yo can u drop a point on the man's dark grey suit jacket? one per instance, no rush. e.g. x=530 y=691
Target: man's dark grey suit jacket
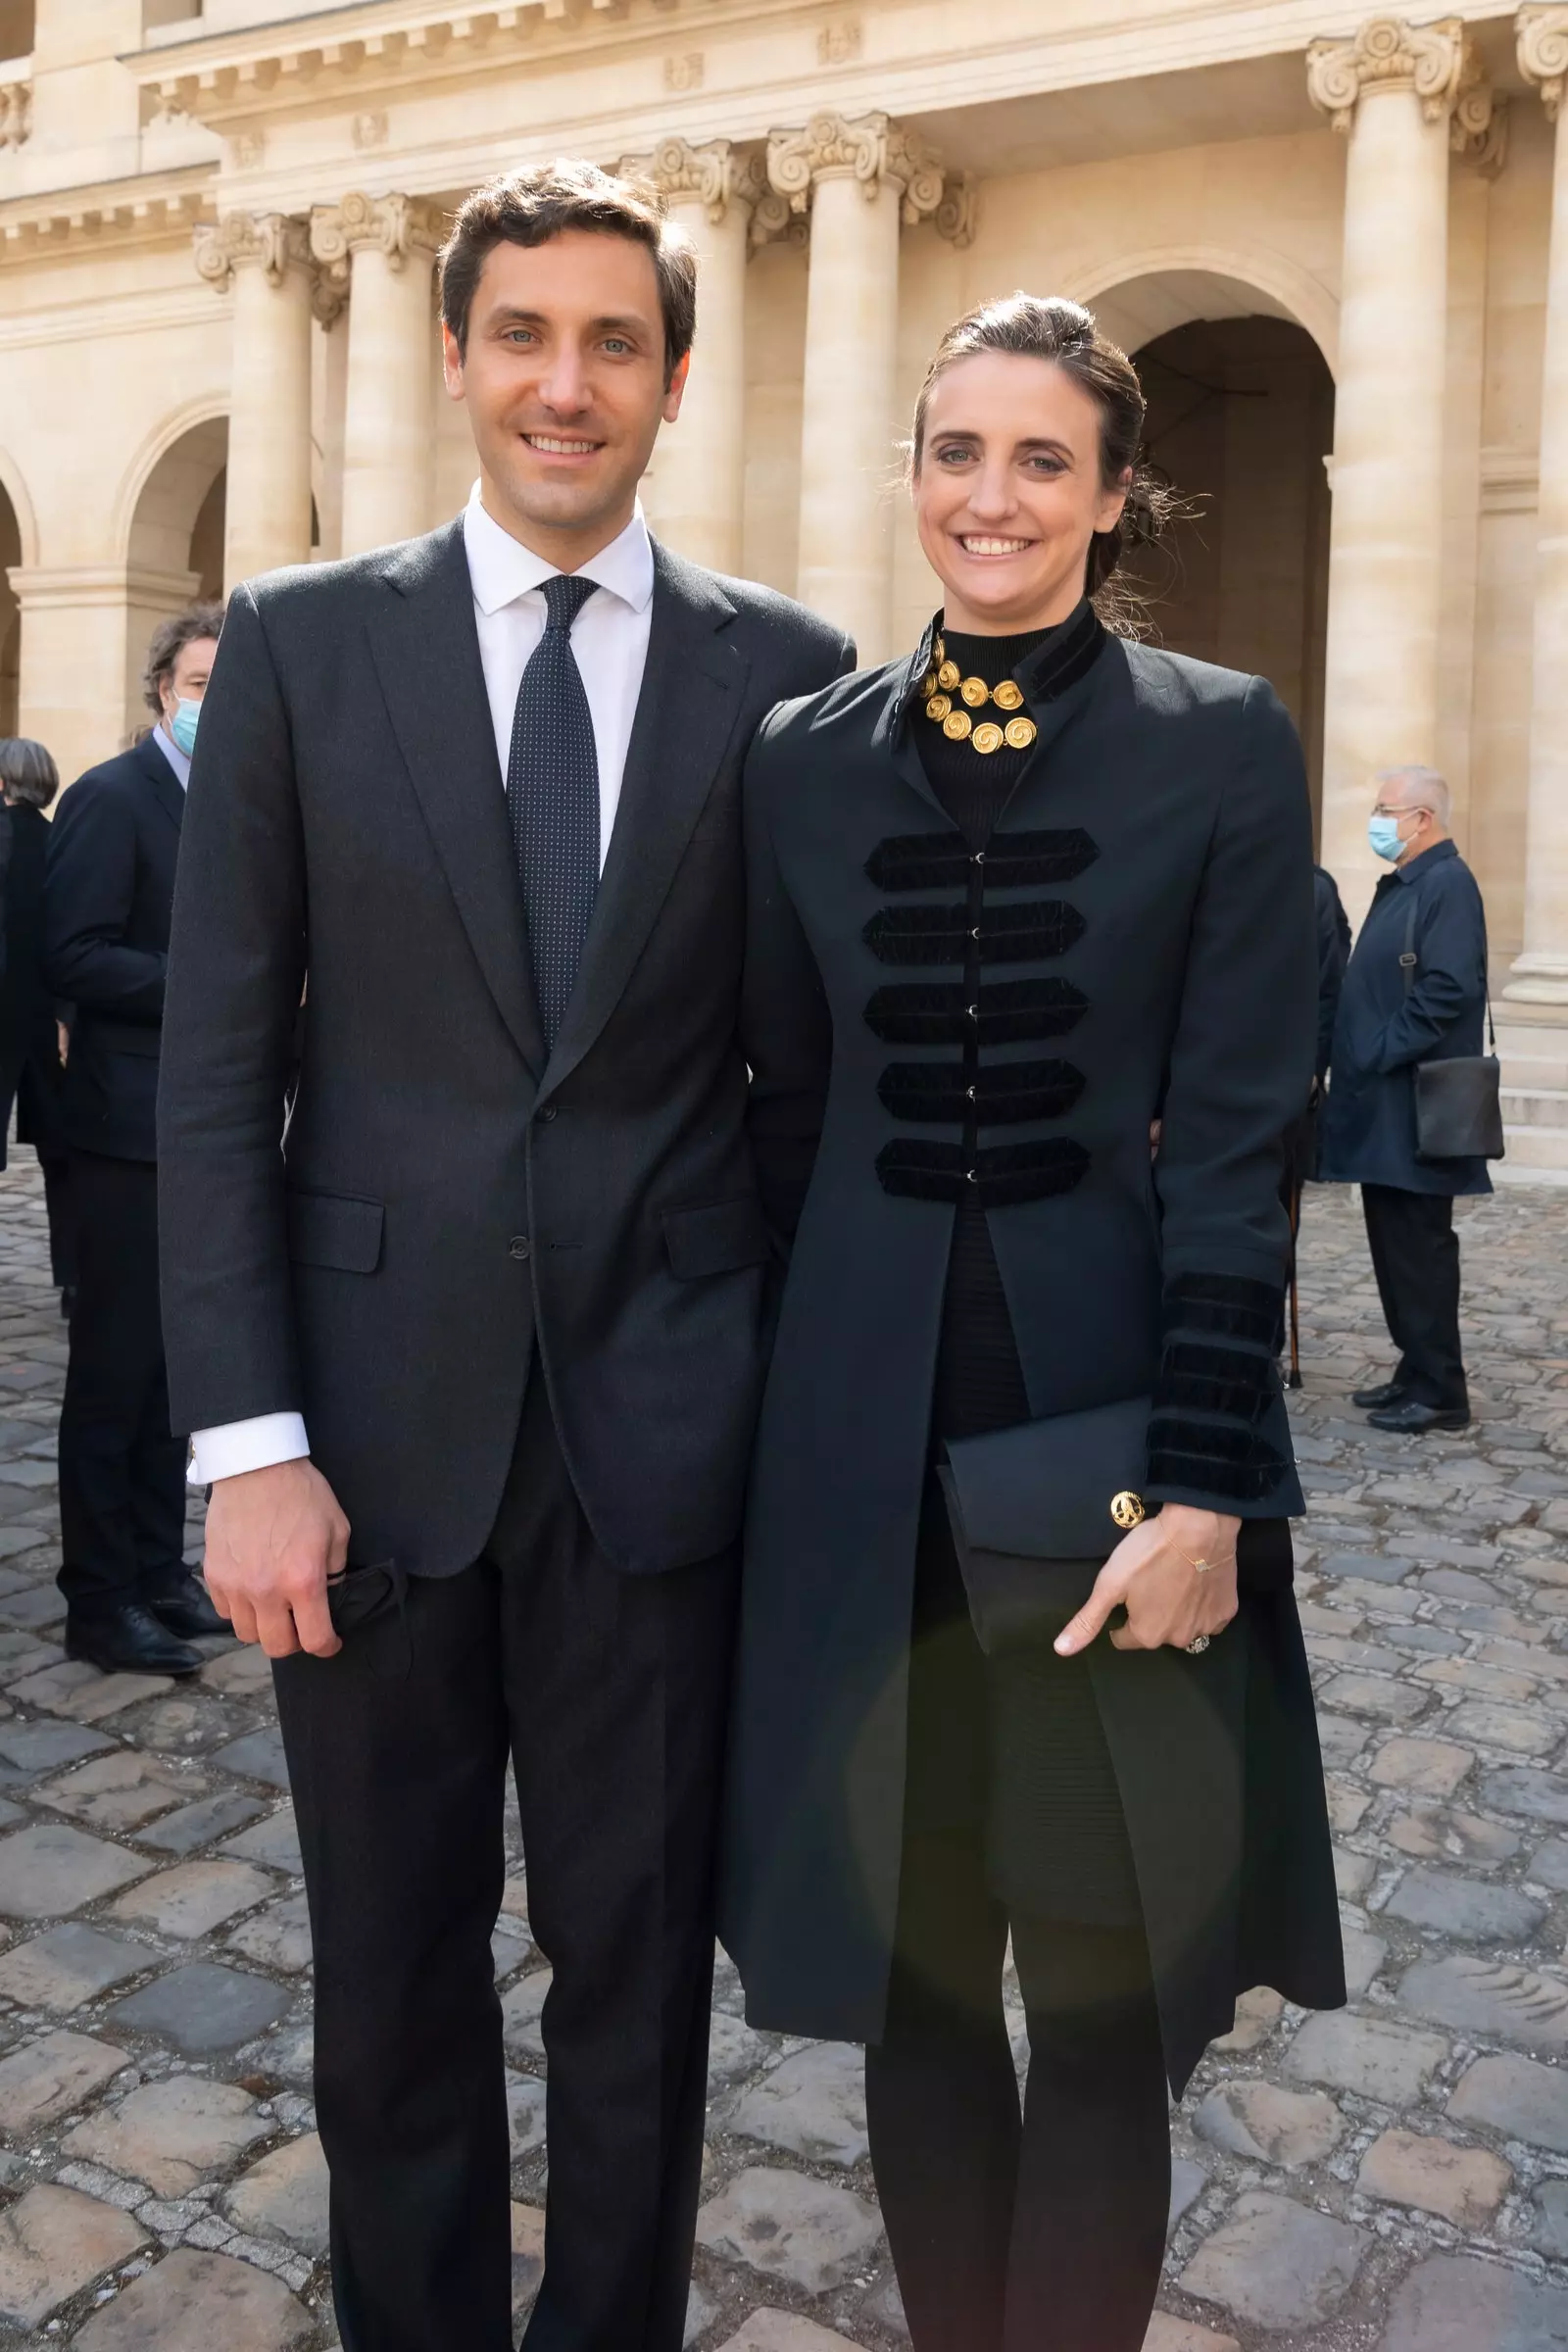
x=447 y=1205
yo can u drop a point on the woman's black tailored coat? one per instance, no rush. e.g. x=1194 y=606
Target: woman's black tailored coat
x=926 y=1024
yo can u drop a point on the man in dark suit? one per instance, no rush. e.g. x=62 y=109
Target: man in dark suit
x=131 y=1602
x=474 y=1359
x=1415 y=990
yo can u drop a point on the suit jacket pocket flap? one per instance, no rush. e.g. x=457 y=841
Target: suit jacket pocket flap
x=329 y=1229
x=719 y=1239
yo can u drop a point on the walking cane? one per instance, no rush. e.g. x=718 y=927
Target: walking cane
x=1293 y=1377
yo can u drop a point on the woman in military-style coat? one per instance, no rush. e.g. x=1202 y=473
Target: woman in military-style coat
x=1015 y=899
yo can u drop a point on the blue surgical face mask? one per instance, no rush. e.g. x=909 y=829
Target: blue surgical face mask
x=1383 y=832
x=183 y=726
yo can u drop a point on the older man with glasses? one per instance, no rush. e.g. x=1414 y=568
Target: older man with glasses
x=1415 y=991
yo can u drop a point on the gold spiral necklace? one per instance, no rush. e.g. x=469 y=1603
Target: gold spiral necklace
x=937 y=688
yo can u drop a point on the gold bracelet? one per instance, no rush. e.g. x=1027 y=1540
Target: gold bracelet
x=1200 y=1567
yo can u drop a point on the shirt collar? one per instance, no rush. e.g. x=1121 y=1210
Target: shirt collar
x=1439 y=850
x=501 y=569
x=172 y=753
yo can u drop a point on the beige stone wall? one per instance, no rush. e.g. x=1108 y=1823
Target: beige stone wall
x=1106 y=165
x=1518 y=207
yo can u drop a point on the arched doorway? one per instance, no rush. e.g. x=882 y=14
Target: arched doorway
x=10 y=617
x=174 y=549
x=1237 y=372
x=1241 y=418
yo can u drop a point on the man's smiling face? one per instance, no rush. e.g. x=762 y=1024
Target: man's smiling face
x=564 y=376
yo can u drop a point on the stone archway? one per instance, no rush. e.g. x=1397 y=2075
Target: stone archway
x=1237 y=372
x=174 y=538
x=1240 y=419
x=9 y=615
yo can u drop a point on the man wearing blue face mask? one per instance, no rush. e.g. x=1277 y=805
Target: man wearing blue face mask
x=1414 y=991
x=131 y=1603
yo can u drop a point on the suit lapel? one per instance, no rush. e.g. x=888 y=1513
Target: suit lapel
x=427 y=654
x=693 y=685
x=167 y=789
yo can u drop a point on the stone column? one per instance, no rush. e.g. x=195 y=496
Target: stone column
x=382 y=248
x=1540 y=975
x=859 y=179
x=265 y=257
x=699 y=470
x=84 y=631
x=1402 y=93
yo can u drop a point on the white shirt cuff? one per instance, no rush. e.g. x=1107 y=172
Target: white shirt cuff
x=239 y=1446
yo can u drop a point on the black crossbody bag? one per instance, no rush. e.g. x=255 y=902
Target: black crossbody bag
x=1458 y=1103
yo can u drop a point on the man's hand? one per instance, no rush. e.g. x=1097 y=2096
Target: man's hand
x=1168 y=1602
x=273 y=1537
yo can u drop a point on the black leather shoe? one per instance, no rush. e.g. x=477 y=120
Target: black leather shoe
x=184 y=1609
x=129 y=1640
x=1411 y=1418
x=1372 y=1400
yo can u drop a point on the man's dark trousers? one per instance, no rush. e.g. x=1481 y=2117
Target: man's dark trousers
x=607 y=1692
x=107 y=893
x=1415 y=1257
x=121 y=1473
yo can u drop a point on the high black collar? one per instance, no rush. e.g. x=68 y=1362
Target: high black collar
x=1063 y=657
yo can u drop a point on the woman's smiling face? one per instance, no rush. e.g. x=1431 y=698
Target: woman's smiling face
x=1007 y=491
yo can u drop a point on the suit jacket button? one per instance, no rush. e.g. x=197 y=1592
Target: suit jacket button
x=518 y=1246
x=547 y=1113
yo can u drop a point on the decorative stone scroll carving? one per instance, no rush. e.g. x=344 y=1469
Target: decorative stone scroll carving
x=1542 y=34
x=274 y=241
x=396 y=225
x=872 y=149
x=958 y=215
x=715 y=174
x=1487 y=149
x=1438 y=62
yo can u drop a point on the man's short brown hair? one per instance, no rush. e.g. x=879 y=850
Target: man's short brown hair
x=530 y=208
x=169 y=640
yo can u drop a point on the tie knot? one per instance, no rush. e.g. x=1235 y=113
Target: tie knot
x=565 y=594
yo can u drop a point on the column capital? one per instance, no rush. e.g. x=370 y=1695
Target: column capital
x=715 y=174
x=873 y=149
x=395 y=225
x=1438 y=62
x=274 y=242
x=1542 y=37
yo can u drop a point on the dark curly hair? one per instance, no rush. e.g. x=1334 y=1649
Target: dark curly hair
x=1049 y=326
x=169 y=641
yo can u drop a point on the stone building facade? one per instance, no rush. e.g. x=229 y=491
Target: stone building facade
x=1337 y=242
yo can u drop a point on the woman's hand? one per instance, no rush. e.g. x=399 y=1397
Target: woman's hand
x=1168 y=1602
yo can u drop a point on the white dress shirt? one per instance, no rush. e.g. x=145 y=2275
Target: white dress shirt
x=610 y=638
x=172 y=753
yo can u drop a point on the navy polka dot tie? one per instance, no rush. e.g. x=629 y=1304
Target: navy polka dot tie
x=552 y=793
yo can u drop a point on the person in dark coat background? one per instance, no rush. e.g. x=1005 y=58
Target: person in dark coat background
x=30 y=1069
x=1386 y=1025
x=985 y=953
x=131 y=1603
x=1333 y=954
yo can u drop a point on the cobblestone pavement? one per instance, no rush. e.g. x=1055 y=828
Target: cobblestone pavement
x=1393 y=2176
